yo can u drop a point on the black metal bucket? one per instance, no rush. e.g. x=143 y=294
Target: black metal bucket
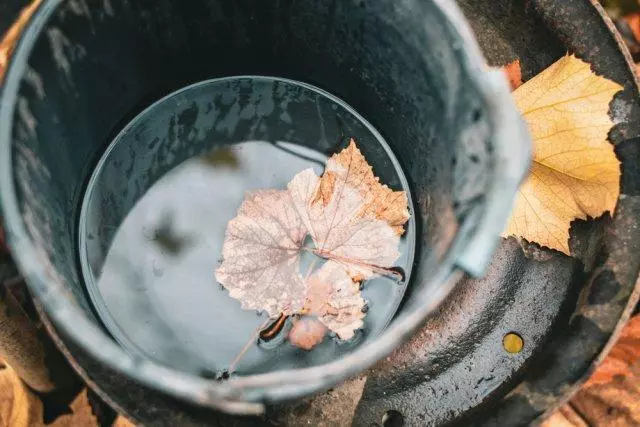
x=412 y=69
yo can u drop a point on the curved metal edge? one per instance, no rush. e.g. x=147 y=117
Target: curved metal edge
x=552 y=385
x=50 y=293
x=512 y=157
x=512 y=149
x=236 y=395
x=634 y=298
x=82 y=373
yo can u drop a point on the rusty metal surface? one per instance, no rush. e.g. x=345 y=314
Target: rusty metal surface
x=610 y=291
x=567 y=310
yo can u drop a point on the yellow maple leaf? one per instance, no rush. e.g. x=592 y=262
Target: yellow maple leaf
x=575 y=172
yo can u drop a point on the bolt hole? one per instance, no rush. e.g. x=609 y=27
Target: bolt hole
x=476 y=115
x=474 y=159
x=513 y=343
x=392 y=418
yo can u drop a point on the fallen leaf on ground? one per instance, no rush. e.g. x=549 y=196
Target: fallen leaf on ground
x=514 y=74
x=355 y=223
x=21 y=407
x=575 y=173
x=8 y=43
x=622 y=357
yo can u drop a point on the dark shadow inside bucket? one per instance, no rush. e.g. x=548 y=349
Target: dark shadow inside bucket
x=95 y=69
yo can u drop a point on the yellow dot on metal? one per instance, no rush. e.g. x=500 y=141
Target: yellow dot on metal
x=513 y=342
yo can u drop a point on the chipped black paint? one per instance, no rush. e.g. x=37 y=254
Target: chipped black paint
x=603 y=289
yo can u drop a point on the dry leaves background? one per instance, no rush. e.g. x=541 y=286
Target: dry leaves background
x=21 y=407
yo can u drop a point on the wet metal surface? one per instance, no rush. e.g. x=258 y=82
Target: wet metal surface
x=455 y=369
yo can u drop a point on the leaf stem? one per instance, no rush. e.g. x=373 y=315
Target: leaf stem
x=392 y=272
x=254 y=336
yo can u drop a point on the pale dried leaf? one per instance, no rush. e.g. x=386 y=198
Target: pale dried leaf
x=355 y=223
x=335 y=299
x=338 y=229
x=260 y=254
x=350 y=168
x=575 y=172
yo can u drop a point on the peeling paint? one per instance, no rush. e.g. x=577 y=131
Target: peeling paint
x=59 y=43
x=34 y=79
x=27 y=117
x=108 y=7
x=79 y=7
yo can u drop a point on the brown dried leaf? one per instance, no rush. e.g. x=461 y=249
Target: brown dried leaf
x=10 y=38
x=514 y=74
x=354 y=224
x=20 y=406
x=623 y=356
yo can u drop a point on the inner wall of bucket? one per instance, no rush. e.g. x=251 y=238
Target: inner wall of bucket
x=92 y=71
x=148 y=248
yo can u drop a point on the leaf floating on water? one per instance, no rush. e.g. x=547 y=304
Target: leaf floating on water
x=379 y=201
x=260 y=254
x=350 y=168
x=351 y=217
x=355 y=223
x=575 y=172
x=335 y=299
